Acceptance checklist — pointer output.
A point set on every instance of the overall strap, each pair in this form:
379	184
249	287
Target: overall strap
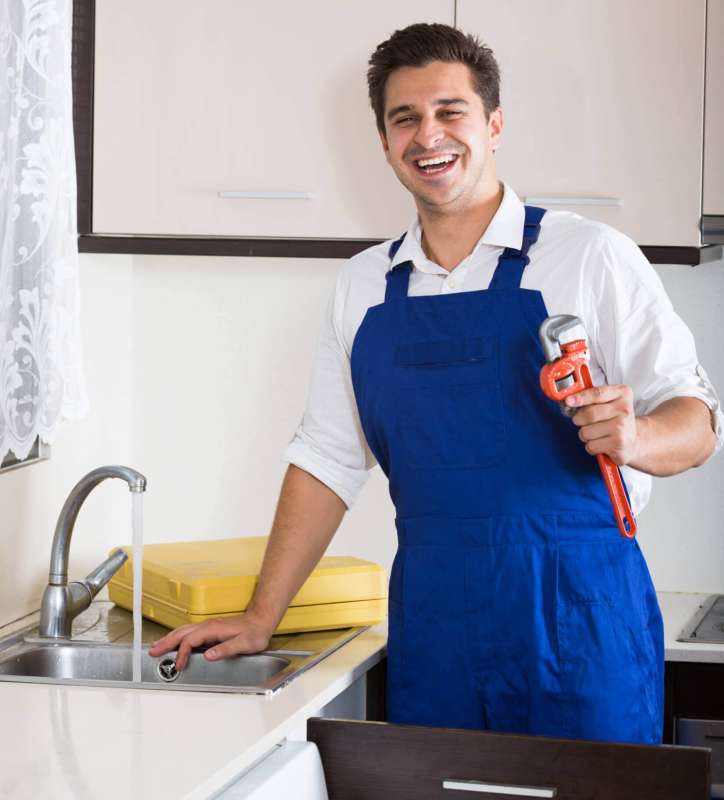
399	276
511	263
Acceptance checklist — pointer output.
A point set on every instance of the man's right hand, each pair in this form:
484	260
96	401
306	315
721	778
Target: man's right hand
231	635
308	514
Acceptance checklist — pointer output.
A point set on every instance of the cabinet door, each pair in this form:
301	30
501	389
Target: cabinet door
290	764
195	99
714	117
603	108
371	760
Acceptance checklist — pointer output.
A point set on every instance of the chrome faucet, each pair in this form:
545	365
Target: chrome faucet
62	602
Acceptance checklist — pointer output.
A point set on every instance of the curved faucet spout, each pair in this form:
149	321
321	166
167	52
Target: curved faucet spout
61	602
68	514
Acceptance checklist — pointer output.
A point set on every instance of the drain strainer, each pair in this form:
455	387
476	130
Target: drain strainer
167	671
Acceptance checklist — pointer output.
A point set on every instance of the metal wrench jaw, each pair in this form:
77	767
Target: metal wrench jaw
551	332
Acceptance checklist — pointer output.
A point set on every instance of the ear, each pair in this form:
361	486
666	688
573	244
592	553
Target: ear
495	128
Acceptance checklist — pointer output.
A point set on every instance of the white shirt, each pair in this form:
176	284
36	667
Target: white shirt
581	267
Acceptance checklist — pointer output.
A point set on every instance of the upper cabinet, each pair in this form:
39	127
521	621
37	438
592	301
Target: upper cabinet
245	128
237	119
713	223
603	105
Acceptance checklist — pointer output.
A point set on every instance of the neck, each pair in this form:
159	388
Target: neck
447	238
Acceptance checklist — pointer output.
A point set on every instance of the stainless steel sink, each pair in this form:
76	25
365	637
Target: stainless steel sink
100	653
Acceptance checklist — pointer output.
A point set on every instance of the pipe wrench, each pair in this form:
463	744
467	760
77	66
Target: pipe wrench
565	373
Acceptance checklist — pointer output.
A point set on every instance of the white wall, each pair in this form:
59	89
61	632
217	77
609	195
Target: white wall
222	382
682	528
31	497
198	371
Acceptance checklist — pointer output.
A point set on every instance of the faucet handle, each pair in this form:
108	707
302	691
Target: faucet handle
105	571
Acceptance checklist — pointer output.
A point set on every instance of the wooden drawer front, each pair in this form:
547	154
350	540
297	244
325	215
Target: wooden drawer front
374	760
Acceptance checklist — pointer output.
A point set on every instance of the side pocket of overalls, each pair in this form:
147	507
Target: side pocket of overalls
609	663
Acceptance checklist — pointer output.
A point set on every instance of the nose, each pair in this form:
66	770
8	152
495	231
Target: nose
430	132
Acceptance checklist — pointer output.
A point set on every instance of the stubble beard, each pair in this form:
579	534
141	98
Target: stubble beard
433	204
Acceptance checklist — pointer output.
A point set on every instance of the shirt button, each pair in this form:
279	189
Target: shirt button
451	283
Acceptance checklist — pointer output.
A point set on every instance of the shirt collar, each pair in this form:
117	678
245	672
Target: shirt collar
504	230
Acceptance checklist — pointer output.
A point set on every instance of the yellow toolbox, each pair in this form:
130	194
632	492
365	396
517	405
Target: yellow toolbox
192	581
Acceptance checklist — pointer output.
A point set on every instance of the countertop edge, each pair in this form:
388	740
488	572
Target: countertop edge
235	769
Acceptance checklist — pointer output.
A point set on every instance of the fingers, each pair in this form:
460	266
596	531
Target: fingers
185	639
234	634
601	403
202	634
609	446
607	421
169	641
233	647
601	394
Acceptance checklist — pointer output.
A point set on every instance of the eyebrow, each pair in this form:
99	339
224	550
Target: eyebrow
443	101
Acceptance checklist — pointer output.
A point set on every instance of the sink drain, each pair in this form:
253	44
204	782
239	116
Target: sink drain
166	669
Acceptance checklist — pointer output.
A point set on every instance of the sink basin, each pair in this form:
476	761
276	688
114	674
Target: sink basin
99	653
108	663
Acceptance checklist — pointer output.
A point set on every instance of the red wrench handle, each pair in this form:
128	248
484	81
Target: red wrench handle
617	495
574	365
612	478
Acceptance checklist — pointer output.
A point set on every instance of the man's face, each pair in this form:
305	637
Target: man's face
432	112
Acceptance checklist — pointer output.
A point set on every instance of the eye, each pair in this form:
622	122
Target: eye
451	113
402	120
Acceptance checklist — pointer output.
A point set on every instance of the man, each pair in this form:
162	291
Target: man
515	605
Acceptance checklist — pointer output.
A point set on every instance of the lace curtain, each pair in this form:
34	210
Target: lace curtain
41	378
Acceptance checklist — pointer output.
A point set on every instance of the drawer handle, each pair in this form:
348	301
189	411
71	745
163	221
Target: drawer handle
574	201
498	788
267	195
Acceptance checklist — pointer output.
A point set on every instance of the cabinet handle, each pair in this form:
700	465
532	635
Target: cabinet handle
268	195
575	201
498	788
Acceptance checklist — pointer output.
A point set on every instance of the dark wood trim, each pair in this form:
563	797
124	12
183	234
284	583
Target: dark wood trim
693	256
372	760
312	248
377	691
693	689
88	242
83	46
224	246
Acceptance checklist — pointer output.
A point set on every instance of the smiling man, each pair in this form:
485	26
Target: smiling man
515	605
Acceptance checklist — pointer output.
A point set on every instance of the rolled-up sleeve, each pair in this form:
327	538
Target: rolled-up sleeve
329	442
654	350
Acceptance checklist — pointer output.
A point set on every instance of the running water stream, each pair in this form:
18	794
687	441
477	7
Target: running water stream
137	522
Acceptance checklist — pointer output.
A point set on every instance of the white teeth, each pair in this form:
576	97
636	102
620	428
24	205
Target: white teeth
428	162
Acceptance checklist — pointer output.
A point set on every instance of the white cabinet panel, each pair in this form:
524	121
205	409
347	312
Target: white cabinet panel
714	113
294	769
194	99
602	100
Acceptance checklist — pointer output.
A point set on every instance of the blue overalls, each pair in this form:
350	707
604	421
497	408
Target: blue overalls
514	605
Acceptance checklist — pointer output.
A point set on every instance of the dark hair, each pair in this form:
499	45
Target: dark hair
420	44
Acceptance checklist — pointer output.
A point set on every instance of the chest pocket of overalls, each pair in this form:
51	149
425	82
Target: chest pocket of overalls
450	410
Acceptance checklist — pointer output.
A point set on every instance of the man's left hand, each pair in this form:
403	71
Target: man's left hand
607	423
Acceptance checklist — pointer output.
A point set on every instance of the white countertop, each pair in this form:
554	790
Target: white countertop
677	609
86	742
